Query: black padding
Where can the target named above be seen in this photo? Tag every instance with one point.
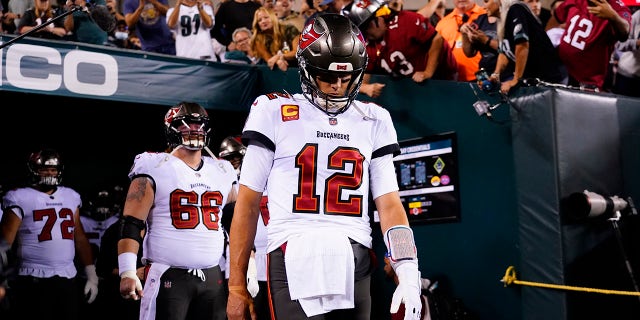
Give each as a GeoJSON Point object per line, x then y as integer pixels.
{"type": "Point", "coordinates": [131, 228]}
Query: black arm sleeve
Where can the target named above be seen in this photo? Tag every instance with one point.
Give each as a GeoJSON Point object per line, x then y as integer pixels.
{"type": "Point", "coordinates": [227, 216]}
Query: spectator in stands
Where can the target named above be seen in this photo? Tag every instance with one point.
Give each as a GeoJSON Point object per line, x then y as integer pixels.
{"type": "Point", "coordinates": [627, 79]}
{"type": "Point", "coordinates": [114, 9]}
{"type": "Point", "coordinates": [17, 8]}
{"type": "Point", "coordinates": [1, 31]}
{"type": "Point", "coordinates": [191, 22]}
{"type": "Point", "coordinates": [593, 28]}
{"type": "Point", "coordinates": [82, 27]}
{"type": "Point", "coordinates": [242, 53]}
{"type": "Point", "coordinates": [58, 6]}
{"type": "Point", "coordinates": [134, 42]}
{"type": "Point", "coordinates": [402, 43]}
{"type": "Point", "coordinates": [119, 36]}
{"type": "Point", "coordinates": [274, 42]}
{"type": "Point", "coordinates": [464, 11]}
{"type": "Point", "coordinates": [482, 36]}
{"type": "Point", "coordinates": [285, 13]}
{"type": "Point", "coordinates": [307, 9]}
{"type": "Point", "coordinates": [434, 10]}
{"type": "Point", "coordinates": [397, 5]}
{"type": "Point", "coordinates": [39, 14]}
{"type": "Point", "coordinates": [524, 42]}
{"type": "Point", "coordinates": [555, 29]}
{"type": "Point", "coordinates": [266, 3]}
{"type": "Point", "coordinates": [147, 18]}
{"type": "Point", "coordinates": [327, 6]}
{"type": "Point", "coordinates": [231, 15]}
{"type": "Point", "coordinates": [438, 14]}
{"type": "Point", "coordinates": [543, 14]}
{"type": "Point", "coordinates": [43, 222]}
{"type": "Point", "coordinates": [360, 18]}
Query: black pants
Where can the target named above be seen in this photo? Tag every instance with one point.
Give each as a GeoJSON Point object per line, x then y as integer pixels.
{"type": "Point", "coordinates": [44, 298]}
{"type": "Point", "coordinates": [286, 309]}
{"type": "Point", "coordinates": [185, 296]}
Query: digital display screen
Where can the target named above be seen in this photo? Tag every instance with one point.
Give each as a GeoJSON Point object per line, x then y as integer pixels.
{"type": "Point", "coordinates": [427, 172]}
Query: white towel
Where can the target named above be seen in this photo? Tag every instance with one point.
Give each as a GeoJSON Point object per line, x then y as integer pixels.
{"type": "Point", "coordinates": [320, 271]}
{"type": "Point", "coordinates": [151, 289]}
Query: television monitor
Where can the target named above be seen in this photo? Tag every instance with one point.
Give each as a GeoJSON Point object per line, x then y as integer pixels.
{"type": "Point", "coordinates": [427, 173]}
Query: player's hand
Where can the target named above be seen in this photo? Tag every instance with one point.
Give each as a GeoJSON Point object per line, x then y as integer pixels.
{"type": "Point", "coordinates": [240, 304]}
{"type": "Point", "coordinates": [130, 285]}
{"type": "Point", "coordinates": [91, 287]}
{"type": "Point", "coordinates": [408, 291]}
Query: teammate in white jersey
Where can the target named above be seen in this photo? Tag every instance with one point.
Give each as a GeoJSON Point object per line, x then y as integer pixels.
{"type": "Point", "coordinates": [178, 196]}
{"type": "Point", "coordinates": [318, 154]}
{"type": "Point", "coordinates": [43, 222]}
{"type": "Point", "coordinates": [100, 214]}
{"type": "Point", "coordinates": [191, 21]}
{"type": "Point", "coordinates": [233, 150]}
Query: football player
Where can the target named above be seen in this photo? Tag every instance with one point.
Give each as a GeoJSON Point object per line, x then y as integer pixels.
{"type": "Point", "coordinates": [176, 198]}
{"type": "Point", "coordinates": [43, 220]}
{"type": "Point", "coordinates": [318, 154]}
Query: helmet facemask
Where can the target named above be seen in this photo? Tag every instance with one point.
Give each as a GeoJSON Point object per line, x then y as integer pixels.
{"type": "Point", "coordinates": [49, 180]}
{"type": "Point", "coordinates": [101, 207]}
{"type": "Point", "coordinates": [192, 133]}
{"type": "Point", "coordinates": [328, 103]}
{"type": "Point", "coordinates": [187, 126]}
{"type": "Point", "coordinates": [41, 161]}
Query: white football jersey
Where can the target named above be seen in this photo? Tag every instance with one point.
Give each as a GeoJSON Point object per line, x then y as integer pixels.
{"type": "Point", "coordinates": [94, 229]}
{"type": "Point", "coordinates": [45, 238]}
{"type": "Point", "coordinates": [183, 226]}
{"type": "Point", "coordinates": [193, 39]}
{"type": "Point", "coordinates": [320, 173]}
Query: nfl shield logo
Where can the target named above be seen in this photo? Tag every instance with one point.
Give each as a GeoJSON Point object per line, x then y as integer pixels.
{"type": "Point", "coordinates": [333, 121]}
{"type": "Point", "coordinates": [167, 284]}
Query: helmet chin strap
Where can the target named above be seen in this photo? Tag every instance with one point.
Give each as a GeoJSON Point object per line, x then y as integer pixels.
{"type": "Point", "coordinates": [329, 105]}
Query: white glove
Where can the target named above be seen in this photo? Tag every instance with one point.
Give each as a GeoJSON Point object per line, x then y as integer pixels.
{"type": "Point", "coordinates": [408, 291]}
{"type": "Point", "coordinates": [252, 278]}
{"type": "Point", "coordinates": [91, 287]}
{"type": "Point", "coordinates": [132, 275]}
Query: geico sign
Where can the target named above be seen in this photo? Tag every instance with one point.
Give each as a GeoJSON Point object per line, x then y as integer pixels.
{"type": "Point", "coordinates": [48, 77]}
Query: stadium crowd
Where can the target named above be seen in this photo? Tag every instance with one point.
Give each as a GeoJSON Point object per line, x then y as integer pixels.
{"type": "Point", "coordinates": [591, 45]}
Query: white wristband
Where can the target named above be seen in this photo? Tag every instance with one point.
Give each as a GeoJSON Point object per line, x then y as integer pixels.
{"type": "Point", "coordinates": [127, 262]}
